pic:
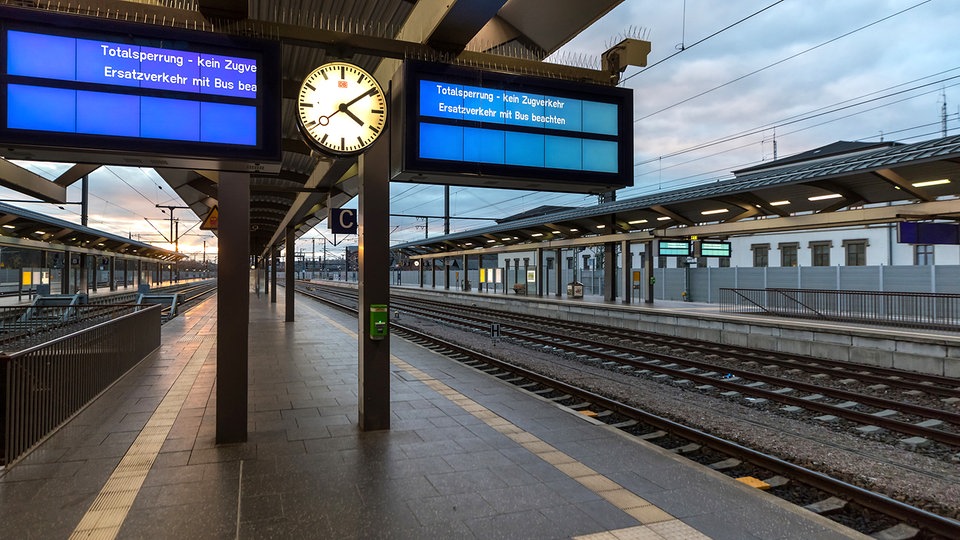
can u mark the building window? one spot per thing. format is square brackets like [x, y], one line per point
[661, 262]
[856, 251]
[788, 254]
[569, 263]
[820, 253]
[923, 254]
[761, 255]
[724, 262]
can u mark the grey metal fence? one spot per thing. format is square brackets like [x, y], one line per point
[917, 310]
[45, 385]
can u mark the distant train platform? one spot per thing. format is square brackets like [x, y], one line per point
[467, 455]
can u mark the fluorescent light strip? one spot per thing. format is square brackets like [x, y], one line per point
[824, 197]
[779, 203]
[717, 211]
[929, 183]
[637, 222]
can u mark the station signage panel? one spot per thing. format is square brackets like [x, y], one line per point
[671, 248]
[914, 232]
[472, 127]
[122, 91]
[715, 249]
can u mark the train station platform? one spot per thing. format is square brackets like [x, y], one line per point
[467, 455]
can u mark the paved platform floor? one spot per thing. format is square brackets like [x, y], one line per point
[467, 456]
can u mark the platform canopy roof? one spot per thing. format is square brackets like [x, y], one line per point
[36, 230]
[840, 184]
[513, 35]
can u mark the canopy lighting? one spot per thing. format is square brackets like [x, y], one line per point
[717, 211]
[636, 221]
[824, 197]
[931, 183]
[779, 203]
[662, 218]
[537, 235]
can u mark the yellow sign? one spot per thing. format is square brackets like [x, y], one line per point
[212, 220]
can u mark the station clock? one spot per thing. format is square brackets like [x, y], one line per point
[341, 109]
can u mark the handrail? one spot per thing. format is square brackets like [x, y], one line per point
[43, 386]
[939, 311]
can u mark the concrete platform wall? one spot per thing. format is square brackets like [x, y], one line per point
[910, 350]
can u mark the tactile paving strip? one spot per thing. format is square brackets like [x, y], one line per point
[108, 511]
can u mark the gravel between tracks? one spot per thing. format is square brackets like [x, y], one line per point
[912, 478]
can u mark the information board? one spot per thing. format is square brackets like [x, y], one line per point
[714, 249]
[679, 248]
[470, 127]
[117, 89]
[914, 232]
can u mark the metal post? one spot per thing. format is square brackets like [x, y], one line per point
[113, 273]
[559, 271]
[540, 272]
[627, 263]
[289, 275]
[233, 307]
[650, 249]
[609, 271]
[275, 260]
[374, 284]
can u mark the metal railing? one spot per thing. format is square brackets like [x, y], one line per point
[45, 385]
[936, 311]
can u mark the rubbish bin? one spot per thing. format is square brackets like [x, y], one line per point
[575, 289]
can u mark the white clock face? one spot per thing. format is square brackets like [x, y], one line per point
[341, 109]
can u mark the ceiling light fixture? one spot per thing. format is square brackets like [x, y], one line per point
[662, 218]
[636, 222]
[929, 183]
[717, 211]
[779, 203]
[824, 197]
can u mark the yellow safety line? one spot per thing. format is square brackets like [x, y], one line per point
[654, 519]
[109, 510]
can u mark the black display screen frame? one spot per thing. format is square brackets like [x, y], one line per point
[412, 167]
[264, 155]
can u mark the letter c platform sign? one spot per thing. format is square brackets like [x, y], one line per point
[343, 221]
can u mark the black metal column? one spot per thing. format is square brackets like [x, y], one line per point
[233, 306]
[609, 271]
[540, 272]
[446, 273]
[626, 259]
[559, 269]
[374, 283]
[113, 273]
[65, 275]
[274, 261]
[289, 274]
[650, 248]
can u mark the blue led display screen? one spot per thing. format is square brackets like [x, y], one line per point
[915, 232]
[493, 125]
[113, 88]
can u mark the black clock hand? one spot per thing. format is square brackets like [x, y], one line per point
[343, 107]
[369, 92]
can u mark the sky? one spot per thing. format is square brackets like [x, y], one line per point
[728, 85]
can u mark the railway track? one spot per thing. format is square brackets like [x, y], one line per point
[854, 506]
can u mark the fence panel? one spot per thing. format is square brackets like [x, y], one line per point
[43, 386]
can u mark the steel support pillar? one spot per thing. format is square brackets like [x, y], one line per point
[374, 284]
[558, 267]
[446, 274]
[649, 249]
[233, 306]
[423, 263]
[274, 261]
[610, 271]
[65, 275]
[289, 274]
[465, 284]
[626, 262]
[540, 272]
